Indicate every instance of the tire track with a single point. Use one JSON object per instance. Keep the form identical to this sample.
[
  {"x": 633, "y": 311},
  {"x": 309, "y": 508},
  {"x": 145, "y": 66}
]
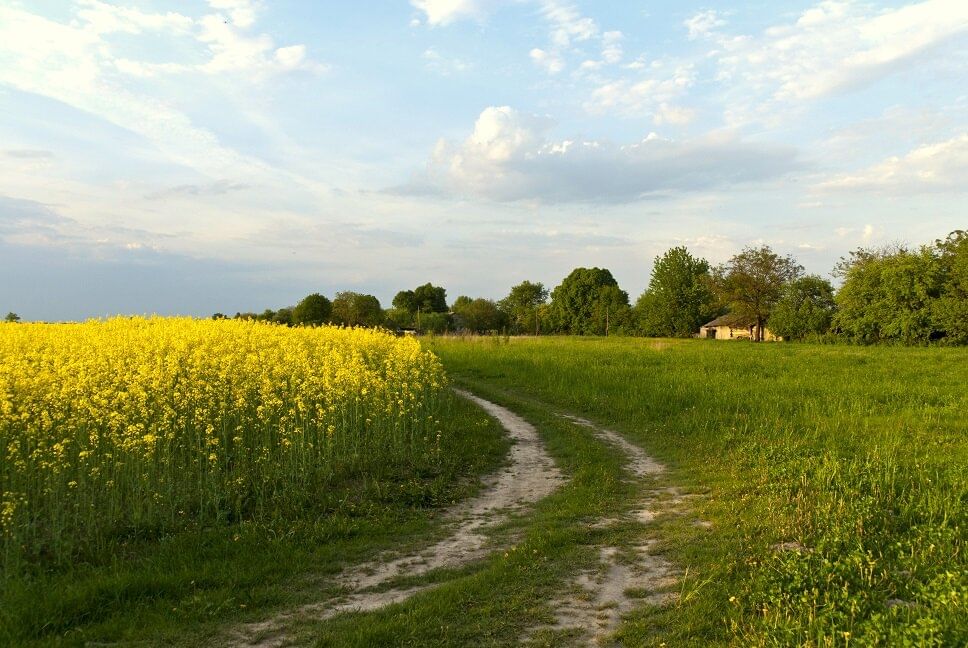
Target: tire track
[{"x": 531, "y": 475}]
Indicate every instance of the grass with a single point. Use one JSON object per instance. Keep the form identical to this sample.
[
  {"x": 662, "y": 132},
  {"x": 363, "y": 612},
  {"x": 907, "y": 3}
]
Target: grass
[
  {"x": 854, "y": 457},
  {"x": 186, "y": 586}
]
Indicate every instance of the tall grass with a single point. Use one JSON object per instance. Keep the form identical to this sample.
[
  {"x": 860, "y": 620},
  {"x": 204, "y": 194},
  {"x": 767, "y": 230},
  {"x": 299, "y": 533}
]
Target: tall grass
[
  {"x": 134, "y": 427},
  {"x": 837, "y": 476}
]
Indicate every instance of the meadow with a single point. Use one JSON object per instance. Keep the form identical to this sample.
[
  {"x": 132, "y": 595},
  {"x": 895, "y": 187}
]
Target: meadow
[
  {"x": 834, "y": 477},
  {"x": 171, "y": 480}
]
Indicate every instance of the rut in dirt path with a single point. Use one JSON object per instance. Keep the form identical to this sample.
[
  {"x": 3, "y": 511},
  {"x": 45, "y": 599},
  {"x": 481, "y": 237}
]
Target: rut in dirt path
[
  {"x": 531, "y": 475},
  {"x": 625, "y": 577}
]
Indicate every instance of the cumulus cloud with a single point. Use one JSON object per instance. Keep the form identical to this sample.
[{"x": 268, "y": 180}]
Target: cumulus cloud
[
  {"x": 942, "y": 166},
  {"x": 509, "y": 156}
]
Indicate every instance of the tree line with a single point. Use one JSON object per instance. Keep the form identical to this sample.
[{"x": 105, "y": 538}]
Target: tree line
[{"x": 890, "y": 294}]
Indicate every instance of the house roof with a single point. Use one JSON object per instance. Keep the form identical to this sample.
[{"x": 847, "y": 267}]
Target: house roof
[{"x": 730, "y": 319}]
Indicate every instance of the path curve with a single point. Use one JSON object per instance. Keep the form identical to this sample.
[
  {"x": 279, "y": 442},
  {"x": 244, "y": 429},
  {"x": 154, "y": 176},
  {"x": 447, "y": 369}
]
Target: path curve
[{"x": 530, "y": 475}]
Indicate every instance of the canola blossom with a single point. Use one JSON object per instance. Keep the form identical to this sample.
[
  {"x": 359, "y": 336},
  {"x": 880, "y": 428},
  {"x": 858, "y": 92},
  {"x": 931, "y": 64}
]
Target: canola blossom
[{"x": 131, "y": 424}]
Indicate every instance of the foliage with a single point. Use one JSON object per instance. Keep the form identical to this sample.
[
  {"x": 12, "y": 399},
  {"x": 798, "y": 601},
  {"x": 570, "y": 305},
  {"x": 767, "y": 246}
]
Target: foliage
[
  {"x": 11, "y": 317},
  {"x": 752, "y": 282},
  {"x": 134, "y": 426},
  {"x": 430, "y": 298},
  {"x": 950, "y": 310},
  {"x": 478, "y": 315},
  {"x": 405, "y": 301},
  {"x": 356, "y": 309},
  {"x": 805, "y": 308},
  {"x": 433, "y": 322},
  {"x": 679, "y": 298},
  {"x": 887, "y": 295},
  {"x": 313, "y": 310},
  {"x": 398, "y": 318},
  {"x": 587, "y": 299},
  {"x": 522, "y": 306}
]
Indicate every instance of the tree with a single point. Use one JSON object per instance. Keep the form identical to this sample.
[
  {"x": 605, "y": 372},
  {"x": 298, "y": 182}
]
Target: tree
[
  {"x": 889, "y": 294},
  {"x": 268, "y": 315},
  {"x": 398, "y": 318},
  {"x": 11, "y": 317},
  {"x": 313, "y": 310},
  {"x": 430, "y": 298},
  {"x": 611, "y": 311},
  {"x": 462, "y": 302},
  {"x": 405, "y": 300},
  {"x": 522, "y": 306},
  {"x": 950, "y": 310},
  {"x": 434, "y": 322},
  {"x": 679, "y": 298},
  {"x": 478, "y": 315},
  {"x": 806, "y": 308},
  {"x": 356, "y": 309},
  {"x": 752, "y": 282},
  {"x": 578, "y": 306},
  {"x": 283, "y": 316}
]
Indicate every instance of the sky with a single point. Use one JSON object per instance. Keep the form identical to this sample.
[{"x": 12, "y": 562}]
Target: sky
[{"x": 235, "y": 155}]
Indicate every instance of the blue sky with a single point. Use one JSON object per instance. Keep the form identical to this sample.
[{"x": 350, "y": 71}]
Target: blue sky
[{"x": 228, "y": 155}]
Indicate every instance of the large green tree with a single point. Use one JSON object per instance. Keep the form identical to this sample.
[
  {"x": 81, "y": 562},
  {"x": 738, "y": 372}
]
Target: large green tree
[
  {"x": 806, "y": 308},
  {"x": 523, "y": 306},
  {"x": 679, "y": 297},
  {"x": 357, "y": 309},
  {"x": 430, "y": 298},
  {"x": 405, "y": 301},
  {"x": 313, "y": 310},
  {"x": 752, "y": 282},
  {"x": 580, "y": 305},
  {"x": 11, "y": 317},
  {"x": 889, "y": 294}
]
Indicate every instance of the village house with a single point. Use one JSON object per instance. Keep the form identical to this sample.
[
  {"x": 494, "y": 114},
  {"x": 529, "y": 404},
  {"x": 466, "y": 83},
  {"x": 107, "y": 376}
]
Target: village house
[{"x": 734, "y": 327}]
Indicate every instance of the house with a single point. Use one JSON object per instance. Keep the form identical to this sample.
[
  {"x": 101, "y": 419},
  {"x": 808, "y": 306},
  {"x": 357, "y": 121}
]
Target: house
[{"x": 734, "y": 327}]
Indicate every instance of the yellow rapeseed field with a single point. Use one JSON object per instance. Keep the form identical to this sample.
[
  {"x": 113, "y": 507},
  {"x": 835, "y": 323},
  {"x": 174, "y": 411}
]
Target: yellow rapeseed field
[{"x": 128, "y": 424}]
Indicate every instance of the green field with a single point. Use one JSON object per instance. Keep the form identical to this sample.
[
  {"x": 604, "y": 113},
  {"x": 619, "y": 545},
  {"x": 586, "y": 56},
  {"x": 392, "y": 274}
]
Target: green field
[
  {"x": 824, "y": 492},
  {"x": 857, "y": 455}
]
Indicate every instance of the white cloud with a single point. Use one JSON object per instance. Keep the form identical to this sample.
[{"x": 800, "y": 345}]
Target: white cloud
[
  {"x": 75, "y": 64},
  {"x": 509, "y": 157},
  {"x": 653, "y": 96},
  {"x": 834, "y": 46},
  {"x": 436, "y": 62},
  {"x": 551, "y": 62},
  {"x": 612, "y": 47},
  {"x": 567, "y": 24},
  {"x": 233, "y": 50},
  {"x": 941, "y": 166},
  {"x": 241, "y": 12},
  {"x": 444, "y": 12},
  {"x": 703, "y": 24}
]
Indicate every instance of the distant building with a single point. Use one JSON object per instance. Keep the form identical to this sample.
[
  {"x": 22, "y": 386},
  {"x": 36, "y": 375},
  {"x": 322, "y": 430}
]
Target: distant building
[{"x": 734, "y": 327}]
